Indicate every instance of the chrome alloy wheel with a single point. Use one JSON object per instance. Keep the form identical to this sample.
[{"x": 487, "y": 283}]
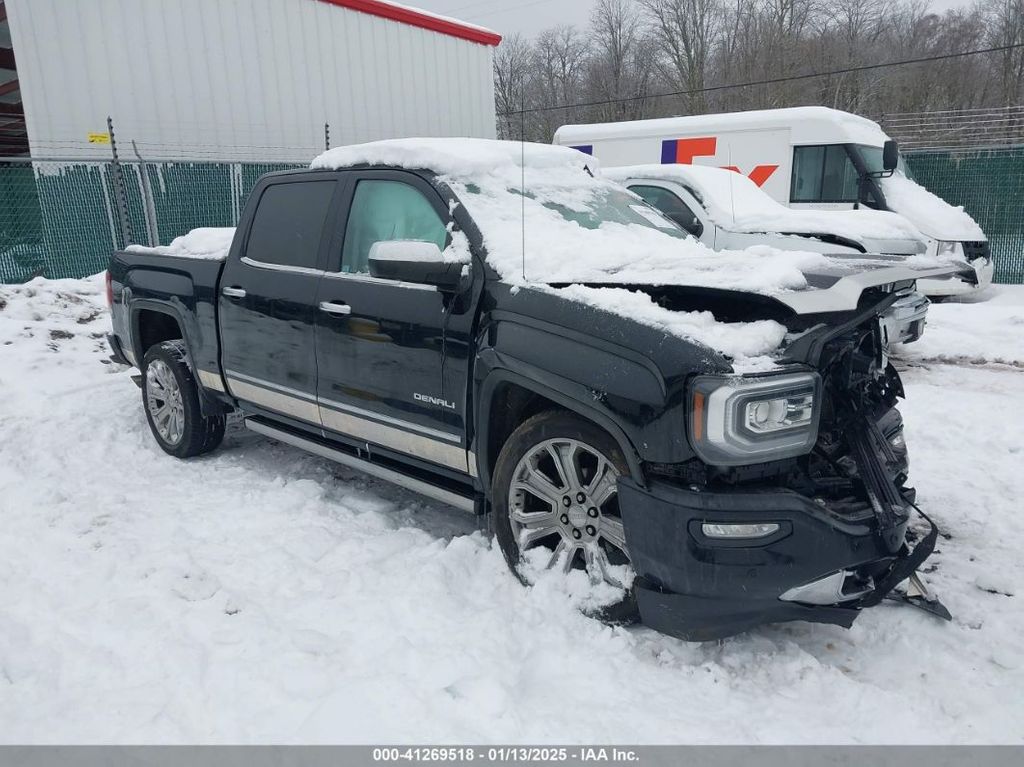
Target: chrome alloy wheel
[
  {"x": 163, "y": 399},
  {"x": 564, "y": 496}
]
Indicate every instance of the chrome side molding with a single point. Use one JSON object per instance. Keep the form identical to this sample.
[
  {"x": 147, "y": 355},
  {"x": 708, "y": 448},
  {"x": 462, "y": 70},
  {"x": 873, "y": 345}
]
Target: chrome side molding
[{"x": 465, "y": 503}]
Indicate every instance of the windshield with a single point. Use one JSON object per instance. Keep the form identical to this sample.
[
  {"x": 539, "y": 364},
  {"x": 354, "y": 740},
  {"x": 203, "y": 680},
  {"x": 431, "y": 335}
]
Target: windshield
[
  {"x": 603, "y": 205},
  {"x": 620, "y": 207},
  {"x": 872, "y": 159}
]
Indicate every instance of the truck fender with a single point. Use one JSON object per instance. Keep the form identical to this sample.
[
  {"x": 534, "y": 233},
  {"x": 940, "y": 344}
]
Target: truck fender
[
  {"x": 209, "y": 402},
  {"x": 549, "y": 390}
]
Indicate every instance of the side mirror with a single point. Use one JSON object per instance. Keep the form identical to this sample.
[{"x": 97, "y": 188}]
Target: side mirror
[
  {"x": 414, "y": 261},
  {"x": 689, "y": 223},
  {"x": 890, "y": 155}
]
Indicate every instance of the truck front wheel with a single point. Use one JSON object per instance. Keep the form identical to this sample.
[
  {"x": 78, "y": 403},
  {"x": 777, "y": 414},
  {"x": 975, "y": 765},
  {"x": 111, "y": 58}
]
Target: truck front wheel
[
  {"x": 170, "y": 398},
  {"x": 555, "y": 505}
]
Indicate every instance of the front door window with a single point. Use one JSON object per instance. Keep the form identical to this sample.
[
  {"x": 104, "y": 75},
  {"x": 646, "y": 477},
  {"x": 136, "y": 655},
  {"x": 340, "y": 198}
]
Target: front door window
[{"x": 388, "y": 210}]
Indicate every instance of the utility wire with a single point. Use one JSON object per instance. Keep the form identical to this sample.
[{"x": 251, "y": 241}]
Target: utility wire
[{"x": 770, "y": 81}]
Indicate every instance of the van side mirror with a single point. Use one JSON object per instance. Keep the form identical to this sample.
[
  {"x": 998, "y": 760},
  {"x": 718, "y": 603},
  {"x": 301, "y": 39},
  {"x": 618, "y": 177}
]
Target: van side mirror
[
  {"x": 890, "y": 156},
  {"x": 687, "y": 221},
  {"x": 414, "y": 261}
]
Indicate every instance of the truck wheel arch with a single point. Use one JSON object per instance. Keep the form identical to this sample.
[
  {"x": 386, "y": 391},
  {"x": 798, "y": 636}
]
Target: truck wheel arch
[
  {"x": 152, "y": 323},
  {"x": 531, "y": 397}
]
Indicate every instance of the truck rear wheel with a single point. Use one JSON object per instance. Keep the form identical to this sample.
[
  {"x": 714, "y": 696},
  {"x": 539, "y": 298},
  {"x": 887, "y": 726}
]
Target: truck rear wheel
[
  {"x": 555, "y": 488},
  {"x": 170, "y": 398}
]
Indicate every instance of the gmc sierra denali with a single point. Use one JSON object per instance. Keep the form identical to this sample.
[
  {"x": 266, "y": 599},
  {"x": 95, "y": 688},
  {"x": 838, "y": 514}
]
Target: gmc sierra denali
[{"x": 713, "y": 500}]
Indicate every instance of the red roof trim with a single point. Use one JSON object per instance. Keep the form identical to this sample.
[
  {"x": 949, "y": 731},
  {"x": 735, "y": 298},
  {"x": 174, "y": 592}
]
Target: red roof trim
[{"x": 419, "y": 19}]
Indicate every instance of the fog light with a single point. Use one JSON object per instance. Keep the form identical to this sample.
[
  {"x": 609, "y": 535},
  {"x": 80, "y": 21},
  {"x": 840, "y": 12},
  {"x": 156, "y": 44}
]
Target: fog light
[
  {"x": 720, "y": 530},
  {"x": 898, "y": 442}
]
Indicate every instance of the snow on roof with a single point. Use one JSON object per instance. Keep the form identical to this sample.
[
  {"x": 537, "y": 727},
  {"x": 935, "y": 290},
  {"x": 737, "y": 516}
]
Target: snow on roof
[
  {"x": 807, "y": 125},
  {"x": 418, "y": 17},
  {"x": 211, "y": 243},
  {"x": 575, "y": 227},
  {"x": 932, "y": 215},
  {"x": 736, "y": 203}
]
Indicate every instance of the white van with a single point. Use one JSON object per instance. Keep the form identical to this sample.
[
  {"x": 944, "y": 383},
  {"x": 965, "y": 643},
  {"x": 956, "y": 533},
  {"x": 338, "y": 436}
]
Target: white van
[
  {"x": 727, "y": 211},
  {"x": 804, "y": 157}
]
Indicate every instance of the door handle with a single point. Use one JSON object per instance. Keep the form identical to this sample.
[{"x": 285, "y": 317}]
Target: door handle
[
  {"x": 233, "y": 292},
  {"x": 333, "y": 308}
]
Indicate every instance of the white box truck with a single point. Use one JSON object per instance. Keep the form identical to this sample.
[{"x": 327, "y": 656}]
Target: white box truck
[{"x": 803, "y": 157}]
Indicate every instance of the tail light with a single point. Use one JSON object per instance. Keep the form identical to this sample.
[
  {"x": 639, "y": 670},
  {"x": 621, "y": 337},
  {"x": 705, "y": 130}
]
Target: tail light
[{"x": 110, "y": 291}]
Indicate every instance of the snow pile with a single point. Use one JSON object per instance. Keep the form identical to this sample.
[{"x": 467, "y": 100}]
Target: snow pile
[
  {"x": 929, "y": 212},
  {"x": 987, "y": 329},
  {"x": 736, "y": 203},
  {"x": 749, "y": 344},
  {"x": 206, "y": 242},
  {"x": 259, "y": 594},
  {"x": 577, "y": 228}
]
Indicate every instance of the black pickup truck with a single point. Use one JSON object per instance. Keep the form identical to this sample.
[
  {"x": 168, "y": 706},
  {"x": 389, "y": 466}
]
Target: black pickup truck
[{"x": 712, "y": 501}]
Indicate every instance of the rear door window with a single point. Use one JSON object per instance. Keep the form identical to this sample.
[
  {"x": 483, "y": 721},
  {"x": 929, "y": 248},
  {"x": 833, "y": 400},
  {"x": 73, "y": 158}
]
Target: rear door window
[{"x": 289, "y": 223}]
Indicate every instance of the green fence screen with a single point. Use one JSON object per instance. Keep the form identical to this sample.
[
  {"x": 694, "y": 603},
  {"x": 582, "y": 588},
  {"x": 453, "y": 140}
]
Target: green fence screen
[
  {"x": 60, "y": 219},
  {"x": 989, "y": 184}
]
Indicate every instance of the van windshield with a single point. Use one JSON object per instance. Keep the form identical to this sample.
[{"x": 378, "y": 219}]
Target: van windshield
[{"x": 872, "y": 159}]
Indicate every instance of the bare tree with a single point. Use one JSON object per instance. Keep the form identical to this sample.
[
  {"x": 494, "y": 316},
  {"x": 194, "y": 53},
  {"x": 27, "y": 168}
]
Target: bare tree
[
  {"x": 559, "y": 64},
  {"x": 511, "y": 69},
  {"x": 1005, "y": 27},
  {"x": 633, "y": 50},
  {"x": 685, "y": 32},
  {"x": 622, "y": 61}
]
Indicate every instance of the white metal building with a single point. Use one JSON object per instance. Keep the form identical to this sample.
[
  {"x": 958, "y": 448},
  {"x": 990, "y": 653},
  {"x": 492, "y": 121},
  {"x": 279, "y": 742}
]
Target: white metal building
[{"x": 244, "y": 80}]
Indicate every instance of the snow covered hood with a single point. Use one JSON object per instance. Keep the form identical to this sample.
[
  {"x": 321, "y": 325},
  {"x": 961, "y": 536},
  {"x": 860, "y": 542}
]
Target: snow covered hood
[
  {"x": 570, "y": 226},
  {"x": 929, "y": 212},
  {"x": 736, "y": 203}
]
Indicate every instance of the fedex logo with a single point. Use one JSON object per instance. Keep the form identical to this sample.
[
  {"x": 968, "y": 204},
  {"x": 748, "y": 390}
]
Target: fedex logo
[{"x": 683, "y": 150}]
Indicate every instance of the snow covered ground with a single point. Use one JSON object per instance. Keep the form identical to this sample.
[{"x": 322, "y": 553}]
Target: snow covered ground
[
  {"x": 262, "y": 595},
  {"x": 980, "y": 329}
]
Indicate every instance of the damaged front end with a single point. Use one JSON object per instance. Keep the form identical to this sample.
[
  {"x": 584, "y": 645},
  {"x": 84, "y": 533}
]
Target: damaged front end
[{"x": 796, "y": 509}]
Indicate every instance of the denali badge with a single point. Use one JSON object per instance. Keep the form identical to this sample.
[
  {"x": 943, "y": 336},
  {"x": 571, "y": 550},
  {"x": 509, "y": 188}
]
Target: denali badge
[{"x": 434, "y": 401}]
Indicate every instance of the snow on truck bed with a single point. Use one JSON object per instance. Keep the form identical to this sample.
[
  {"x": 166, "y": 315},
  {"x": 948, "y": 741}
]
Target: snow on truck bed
[
  {"x": 206, "y": 242},
  {"x": 736, "y": 203},
  {"x": 262, "y": 595}
]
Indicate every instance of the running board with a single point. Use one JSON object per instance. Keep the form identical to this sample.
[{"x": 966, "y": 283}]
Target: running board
[{"x": 441, "y": 494}]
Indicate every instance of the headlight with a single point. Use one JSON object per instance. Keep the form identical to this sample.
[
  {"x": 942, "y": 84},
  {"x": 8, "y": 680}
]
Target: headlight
[
  {"x": 736, "y": 420},
  {"x": 947, "y": 249}
]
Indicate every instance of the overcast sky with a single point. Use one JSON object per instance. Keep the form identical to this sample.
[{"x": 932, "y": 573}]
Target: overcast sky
[{"x": 530, "y": 16}]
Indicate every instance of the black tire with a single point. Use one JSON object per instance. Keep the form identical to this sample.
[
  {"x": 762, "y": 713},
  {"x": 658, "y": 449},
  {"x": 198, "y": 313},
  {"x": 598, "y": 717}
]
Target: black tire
[
  {"x": 552, "y": 424},
  {"x": 199, "y": 433}
]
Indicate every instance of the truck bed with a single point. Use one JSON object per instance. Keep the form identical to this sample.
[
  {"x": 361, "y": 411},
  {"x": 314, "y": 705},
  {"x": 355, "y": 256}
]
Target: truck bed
[{"x": 182, "y": 288}]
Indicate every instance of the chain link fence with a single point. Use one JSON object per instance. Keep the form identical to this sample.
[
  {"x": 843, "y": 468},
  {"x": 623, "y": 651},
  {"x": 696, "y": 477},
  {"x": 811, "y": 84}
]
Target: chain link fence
[
  {"x": 61, "y": 219},
  {"x": 989, "y": 183}
]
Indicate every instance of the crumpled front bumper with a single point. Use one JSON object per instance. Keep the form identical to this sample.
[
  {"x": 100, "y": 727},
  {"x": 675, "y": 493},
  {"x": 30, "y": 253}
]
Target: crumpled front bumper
[
  {"x": 698, "y": 588},
  {"x": 976, "y": 277},
  {"x": 904, "y": 321}
]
